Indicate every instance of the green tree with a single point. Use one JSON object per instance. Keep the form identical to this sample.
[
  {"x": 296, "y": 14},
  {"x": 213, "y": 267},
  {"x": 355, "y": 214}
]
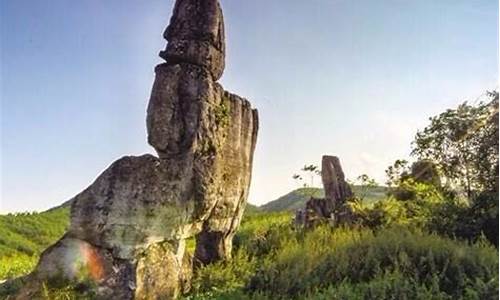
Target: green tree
[
  {"x": 463, "y": 142},
  {"x": 297, "y": 178},
  {"x": 366, "y": 183},
  {"x": 487, "y": 160},
  {"x": 397, "y": 172},
  {"x": 313, "y": 171}
]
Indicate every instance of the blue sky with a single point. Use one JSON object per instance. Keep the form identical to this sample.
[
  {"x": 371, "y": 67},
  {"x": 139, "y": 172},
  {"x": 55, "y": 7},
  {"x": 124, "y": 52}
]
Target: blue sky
[{"x": 350, "y": 78}]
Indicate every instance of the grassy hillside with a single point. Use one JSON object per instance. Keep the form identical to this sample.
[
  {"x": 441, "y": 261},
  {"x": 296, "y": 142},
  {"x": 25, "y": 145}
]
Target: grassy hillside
[
  {"x": 297, "y": 199},
  {"x": 293, "y": 200},
  {"x": 272, "y": 260},
  {"x": 24, "y": 236}
]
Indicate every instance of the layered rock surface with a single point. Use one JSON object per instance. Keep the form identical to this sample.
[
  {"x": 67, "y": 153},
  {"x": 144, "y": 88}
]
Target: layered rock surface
[{"x": 128, "y": 229}]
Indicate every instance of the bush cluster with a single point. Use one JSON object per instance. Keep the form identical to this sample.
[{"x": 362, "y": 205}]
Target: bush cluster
[{"x": 275, "y": 261}]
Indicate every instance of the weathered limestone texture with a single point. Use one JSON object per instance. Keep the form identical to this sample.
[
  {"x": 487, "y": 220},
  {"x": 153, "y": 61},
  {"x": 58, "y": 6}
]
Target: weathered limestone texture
[
  {"x": 129, "y": 228},
  {"x": 333, "y": 208}
]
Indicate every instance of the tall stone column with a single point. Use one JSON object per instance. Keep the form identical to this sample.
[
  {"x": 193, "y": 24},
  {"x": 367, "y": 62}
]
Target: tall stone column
[{"x": 191, "y": 115}]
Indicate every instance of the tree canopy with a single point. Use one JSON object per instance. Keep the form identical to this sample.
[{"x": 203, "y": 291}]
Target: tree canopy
[{"x": 463, "y": 143}]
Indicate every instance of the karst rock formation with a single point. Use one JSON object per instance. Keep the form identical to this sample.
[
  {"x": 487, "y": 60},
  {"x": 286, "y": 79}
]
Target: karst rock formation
[
  {"x": 333, "y": 208},
  {"x": 128, "y": 232}
]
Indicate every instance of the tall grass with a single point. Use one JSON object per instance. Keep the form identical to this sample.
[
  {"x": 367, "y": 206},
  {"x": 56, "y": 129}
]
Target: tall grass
[{"x": 274, "y": 261}]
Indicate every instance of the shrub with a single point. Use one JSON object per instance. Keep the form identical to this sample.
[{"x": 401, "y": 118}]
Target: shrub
[
  {"x": 257, "y": 231},
  {"x": 384, "y": 213},
  {"x": 224, "y": 277},
  {"x": 362, "y": 258},
  {"x": 458, "y": 219}
]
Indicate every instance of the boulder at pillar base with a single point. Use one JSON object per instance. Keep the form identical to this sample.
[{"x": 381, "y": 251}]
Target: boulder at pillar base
[{"x": 135, "y": 202}]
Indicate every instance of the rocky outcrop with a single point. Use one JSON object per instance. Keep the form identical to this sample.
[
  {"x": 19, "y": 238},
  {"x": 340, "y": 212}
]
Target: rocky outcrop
[
  {"x": 129, "y": 228},
  {"x": 337, "y": 190},
  {"x": 333, "y": 208}
]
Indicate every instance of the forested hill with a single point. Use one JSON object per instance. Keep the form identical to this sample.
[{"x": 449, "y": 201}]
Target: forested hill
[{"x": 296, "y": 199}]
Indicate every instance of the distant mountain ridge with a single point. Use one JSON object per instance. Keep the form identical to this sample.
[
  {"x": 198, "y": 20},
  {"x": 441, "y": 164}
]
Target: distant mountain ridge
[
  {"x": 290, "y": 202},
  {"x": 297, "y": 199}
]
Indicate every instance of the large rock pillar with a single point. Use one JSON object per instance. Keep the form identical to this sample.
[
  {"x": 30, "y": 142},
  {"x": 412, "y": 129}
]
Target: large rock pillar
[
  {"x": 128, "y": 228},
  {"x": 191, "y": 115}
]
